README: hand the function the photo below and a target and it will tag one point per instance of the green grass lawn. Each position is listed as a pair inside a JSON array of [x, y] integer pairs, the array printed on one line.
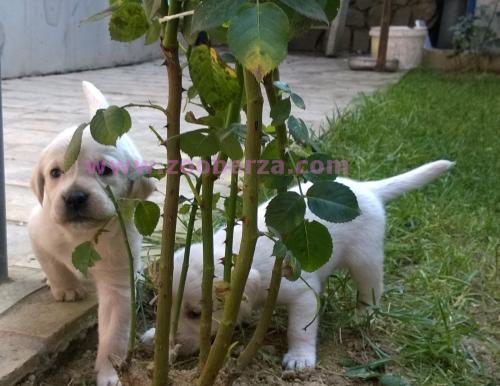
[[439, 320]]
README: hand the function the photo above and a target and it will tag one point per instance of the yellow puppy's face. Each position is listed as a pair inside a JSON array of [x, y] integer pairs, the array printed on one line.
[[188, 330], [76, 198]]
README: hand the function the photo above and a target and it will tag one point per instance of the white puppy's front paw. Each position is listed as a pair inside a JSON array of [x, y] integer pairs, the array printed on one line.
[[108, 377], [299, 359], [68, 295]]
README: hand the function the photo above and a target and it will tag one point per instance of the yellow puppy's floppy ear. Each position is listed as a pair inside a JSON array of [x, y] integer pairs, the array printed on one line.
[[95, 99], [38, 181], [142, 187]]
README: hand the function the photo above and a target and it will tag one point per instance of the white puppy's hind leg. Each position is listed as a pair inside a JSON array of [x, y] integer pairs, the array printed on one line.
[[368, 275], [302, 330]]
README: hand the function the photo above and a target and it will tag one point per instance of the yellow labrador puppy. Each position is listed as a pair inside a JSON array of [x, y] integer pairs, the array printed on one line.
[[72, 207]]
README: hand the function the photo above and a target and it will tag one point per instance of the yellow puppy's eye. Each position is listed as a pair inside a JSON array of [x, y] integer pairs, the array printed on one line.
[[56, 173], [107, 171]]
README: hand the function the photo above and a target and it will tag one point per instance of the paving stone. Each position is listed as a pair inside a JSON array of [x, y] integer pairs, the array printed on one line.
[[19, 355], [34, 330], [22, 282], [54, 321], [18, 242], [19, 203]]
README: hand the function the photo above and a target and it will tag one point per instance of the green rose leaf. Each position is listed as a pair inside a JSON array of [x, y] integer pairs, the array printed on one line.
[[300, 24], [331, 7], [199, 143], [128, 22], [298, 130], [127, 207], [151, 8], [213, 13], [209, 120], [275, 174], [74, 146], [229, 143], [102, 14], [280, 85], [298, 101], [309, 8], [239, 206], [332, 202], [109, 124], [84, 257], [153, 32], [281, 111], [311, 244], [279, 249], [285, 212], [258, 37], [146, 217], [184, 208]]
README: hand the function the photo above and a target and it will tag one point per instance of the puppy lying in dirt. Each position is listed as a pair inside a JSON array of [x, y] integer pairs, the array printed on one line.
[[73, 206], [358, 247]]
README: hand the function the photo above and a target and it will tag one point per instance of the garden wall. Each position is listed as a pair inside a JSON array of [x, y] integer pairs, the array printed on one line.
[[47, 36]]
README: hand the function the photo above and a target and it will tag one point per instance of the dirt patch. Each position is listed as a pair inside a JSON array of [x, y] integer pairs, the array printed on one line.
[[336, 354]]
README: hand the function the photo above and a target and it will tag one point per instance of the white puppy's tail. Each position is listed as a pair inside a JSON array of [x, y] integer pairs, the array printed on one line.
[[393, 187], [94, 97]]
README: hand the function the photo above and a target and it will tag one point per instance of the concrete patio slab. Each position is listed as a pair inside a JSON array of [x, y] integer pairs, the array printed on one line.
[[34, 330], [23, 281]]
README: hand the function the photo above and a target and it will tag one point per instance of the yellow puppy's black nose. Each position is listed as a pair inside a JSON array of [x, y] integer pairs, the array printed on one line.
[[76, 200]]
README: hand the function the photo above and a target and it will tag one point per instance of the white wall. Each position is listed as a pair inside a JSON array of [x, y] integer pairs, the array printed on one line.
[[47, 36]]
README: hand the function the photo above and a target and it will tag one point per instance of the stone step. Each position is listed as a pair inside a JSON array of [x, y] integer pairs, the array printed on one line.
[[36, 329]]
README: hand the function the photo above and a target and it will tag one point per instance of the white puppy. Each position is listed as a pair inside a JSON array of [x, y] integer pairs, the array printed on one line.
[[357, 246], [73, 206]]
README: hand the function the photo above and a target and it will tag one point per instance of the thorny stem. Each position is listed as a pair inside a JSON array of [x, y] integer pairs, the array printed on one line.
[[243, 264], [133, 315], [208, 262], [148, 106], [274, 286], [194, 189], [233, 116], [170, 50], [231, 220], [185, 264]]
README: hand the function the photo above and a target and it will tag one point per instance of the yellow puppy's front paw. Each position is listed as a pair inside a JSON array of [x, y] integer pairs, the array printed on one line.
[[68, 295]]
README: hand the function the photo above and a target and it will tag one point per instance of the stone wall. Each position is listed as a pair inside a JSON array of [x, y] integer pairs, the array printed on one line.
[[364, 14]]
